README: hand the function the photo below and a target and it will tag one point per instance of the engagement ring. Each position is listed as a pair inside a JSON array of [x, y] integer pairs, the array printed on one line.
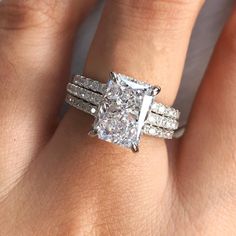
[[124, 109]]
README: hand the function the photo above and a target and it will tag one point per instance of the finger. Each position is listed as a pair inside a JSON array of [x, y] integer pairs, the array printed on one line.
[[147, 40], [35, 51], [144, 43], [208, 151]]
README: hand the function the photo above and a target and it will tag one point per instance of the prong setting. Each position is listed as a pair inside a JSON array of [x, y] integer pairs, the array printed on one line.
[[135, 148], [156, 90], [93, 133], [113, 76]]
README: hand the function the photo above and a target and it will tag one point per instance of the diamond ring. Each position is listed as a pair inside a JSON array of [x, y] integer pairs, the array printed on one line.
[[124, 108]]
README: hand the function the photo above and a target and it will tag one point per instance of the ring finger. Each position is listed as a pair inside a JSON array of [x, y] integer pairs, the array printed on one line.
[[147, 40]]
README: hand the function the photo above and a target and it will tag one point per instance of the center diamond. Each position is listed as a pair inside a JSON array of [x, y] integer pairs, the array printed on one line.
[[124, 108]]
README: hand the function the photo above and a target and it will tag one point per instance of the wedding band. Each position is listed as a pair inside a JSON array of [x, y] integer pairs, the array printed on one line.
[[124, 108]]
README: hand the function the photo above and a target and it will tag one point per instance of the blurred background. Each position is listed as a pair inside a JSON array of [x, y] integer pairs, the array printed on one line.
[[207, 29]]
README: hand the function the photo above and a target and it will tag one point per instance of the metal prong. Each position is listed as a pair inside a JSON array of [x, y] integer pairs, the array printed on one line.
[[156, 91], [135, 148], [113, 76], [92, 133]]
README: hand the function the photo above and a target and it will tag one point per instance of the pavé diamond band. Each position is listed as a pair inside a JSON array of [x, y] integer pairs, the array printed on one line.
[[124, 108]]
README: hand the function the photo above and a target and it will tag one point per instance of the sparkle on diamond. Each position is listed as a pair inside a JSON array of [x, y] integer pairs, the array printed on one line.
[[123, 111]]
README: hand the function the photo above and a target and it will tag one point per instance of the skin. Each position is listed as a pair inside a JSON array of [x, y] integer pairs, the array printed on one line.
[[55, 180]]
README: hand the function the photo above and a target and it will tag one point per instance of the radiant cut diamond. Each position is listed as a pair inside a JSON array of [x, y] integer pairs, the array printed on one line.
[[123, 111]]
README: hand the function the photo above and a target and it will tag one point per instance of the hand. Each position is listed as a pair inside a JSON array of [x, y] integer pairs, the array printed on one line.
[[55, 180]]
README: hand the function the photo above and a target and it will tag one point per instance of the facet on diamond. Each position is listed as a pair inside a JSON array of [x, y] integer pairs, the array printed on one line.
[[123, 110]]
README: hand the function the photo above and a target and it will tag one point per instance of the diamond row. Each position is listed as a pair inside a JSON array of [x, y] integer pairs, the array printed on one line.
[[81, 105], [87, 83], [157, 132], [87, 95], [165, 111], [162, 121], [99, 87]]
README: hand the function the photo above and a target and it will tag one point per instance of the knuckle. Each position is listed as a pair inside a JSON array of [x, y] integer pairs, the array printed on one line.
[[146, 13], [155, 4], [16, 15]]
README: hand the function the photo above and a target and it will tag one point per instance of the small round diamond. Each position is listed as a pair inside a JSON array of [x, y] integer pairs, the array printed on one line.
[[161, 109], [152, 131], [93, 110], [95, 85], [155, 106], [86, 83], [151, 118]]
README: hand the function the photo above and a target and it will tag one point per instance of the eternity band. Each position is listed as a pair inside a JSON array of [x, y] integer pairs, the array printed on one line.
[[124, 108]]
